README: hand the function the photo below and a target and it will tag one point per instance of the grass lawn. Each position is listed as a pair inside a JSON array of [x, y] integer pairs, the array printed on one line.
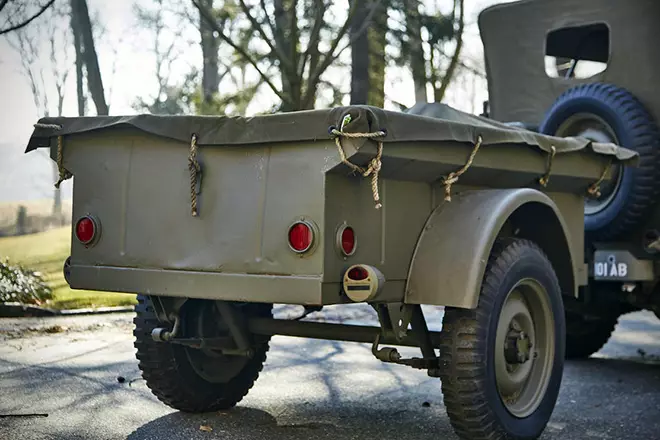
[[45, 252]]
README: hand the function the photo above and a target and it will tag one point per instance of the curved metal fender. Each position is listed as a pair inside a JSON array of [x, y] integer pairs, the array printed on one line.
[[450, 258]]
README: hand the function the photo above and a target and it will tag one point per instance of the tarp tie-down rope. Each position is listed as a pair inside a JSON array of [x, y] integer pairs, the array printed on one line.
[[375, 164], [546, 178], [195, 171], [594, 189], [64, 174], [453, 176]]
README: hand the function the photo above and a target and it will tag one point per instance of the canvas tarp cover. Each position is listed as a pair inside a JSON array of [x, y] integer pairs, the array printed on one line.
[[517, 36], [446, 124]]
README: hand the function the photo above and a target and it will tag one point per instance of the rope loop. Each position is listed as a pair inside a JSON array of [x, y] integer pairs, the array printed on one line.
[[594, 188], [452, 177], [195, 170], [546, 178], [375, 164], [64, 174], [51, 126]]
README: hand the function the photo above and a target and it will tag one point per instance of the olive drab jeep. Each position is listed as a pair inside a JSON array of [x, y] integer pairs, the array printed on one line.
[[212, 220], [589, 68]]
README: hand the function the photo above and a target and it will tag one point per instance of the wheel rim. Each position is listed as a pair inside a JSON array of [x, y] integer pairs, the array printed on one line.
[[524, 348], [211, 365], [594, 128]]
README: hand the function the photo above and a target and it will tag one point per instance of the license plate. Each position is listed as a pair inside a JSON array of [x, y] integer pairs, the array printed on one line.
[[609, 267]]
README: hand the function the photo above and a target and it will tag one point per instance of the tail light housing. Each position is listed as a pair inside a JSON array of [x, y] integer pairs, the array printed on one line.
[[301, 236], [87, 230], [346, 240]]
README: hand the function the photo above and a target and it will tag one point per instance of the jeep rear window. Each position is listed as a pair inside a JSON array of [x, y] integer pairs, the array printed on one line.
[[577, 51]]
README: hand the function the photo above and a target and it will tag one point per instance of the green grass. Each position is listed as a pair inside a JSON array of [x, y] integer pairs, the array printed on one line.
[[46, 252]]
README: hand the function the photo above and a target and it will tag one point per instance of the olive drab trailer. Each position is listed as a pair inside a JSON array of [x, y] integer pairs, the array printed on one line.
[[590, 69], [214, 219]]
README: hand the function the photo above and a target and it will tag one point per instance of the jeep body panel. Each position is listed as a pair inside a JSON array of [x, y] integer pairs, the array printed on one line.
[[515, 38]]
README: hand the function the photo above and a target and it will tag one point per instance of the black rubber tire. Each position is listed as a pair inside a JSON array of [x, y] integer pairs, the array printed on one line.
[[170, 376], [471, 397], [636, 130], [586, 337]]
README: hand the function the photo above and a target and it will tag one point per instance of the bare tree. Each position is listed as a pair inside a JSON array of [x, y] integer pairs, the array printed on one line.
[[277, 33], [81, 26], [20, 14], [45, 57]]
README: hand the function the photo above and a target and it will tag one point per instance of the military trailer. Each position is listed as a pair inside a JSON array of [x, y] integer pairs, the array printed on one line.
[[534, 51], [212, 220]]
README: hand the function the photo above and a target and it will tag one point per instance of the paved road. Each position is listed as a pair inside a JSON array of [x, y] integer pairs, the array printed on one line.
[[309, 389]]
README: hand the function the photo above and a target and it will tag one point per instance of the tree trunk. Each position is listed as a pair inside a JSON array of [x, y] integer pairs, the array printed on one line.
[[210, 45], [416, 49], [359, 55], [368, 36], [80, 14], [285, 21], [77, 43], [377, 33]]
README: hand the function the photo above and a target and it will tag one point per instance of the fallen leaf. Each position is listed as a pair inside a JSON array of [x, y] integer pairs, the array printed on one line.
[[54, 329], [205, 428]]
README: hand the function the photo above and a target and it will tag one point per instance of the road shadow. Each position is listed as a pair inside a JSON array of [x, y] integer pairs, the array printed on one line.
[[247, 423], [600, 398]]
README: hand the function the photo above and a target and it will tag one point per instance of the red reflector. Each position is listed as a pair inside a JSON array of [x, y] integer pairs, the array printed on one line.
[[300, 237], [85, 230], [348, 241], [358, 274]]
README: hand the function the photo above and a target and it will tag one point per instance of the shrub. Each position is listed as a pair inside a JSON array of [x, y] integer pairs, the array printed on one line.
[[18, 284]]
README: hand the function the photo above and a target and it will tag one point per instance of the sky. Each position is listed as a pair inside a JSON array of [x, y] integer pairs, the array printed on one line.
[[126, 67]]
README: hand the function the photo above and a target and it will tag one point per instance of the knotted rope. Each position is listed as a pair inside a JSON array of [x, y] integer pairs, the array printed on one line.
[[546, 178], [195, 169], [594, 189], [64, 174], [453, 177], [375, 164]]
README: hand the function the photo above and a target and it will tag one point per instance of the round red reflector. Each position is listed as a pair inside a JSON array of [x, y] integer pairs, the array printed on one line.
[[85, 230], [300, 237], [358, 273], [348, 241]]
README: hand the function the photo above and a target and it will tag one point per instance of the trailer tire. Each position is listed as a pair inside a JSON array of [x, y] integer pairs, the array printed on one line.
[[169, 372], [607, 113], [476, 378]]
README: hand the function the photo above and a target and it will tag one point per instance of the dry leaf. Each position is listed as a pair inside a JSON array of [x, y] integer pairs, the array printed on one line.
[[205, 428]]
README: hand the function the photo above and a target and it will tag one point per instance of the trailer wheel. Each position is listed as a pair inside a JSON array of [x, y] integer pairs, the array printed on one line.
[[195, 380], [607, 113], [502, 362]]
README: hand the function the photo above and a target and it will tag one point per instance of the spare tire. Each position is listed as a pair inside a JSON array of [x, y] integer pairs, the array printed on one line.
[[607, 113]]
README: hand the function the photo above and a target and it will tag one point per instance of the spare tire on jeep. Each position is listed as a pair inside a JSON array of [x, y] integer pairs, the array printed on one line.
[[607, 113]]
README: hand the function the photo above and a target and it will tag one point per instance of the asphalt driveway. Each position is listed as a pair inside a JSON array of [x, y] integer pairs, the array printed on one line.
[[59, 380]]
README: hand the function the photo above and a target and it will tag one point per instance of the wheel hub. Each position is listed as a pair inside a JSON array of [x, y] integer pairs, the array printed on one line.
[[524, 348], [517, 347]]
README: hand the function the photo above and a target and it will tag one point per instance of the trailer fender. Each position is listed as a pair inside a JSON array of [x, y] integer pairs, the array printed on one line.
[[450, 258]]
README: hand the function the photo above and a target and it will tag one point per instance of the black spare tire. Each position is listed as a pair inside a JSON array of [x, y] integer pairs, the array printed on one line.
[[607, 113]]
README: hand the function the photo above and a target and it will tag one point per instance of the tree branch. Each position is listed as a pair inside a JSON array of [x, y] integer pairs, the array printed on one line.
[[330, 55], [453, 63], [286, 62], [28, 21], [270, 23], [314, 37], [211, 21]]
